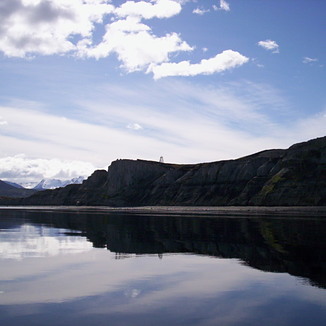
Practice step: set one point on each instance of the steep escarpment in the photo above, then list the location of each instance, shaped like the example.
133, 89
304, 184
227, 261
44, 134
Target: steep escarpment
296, 176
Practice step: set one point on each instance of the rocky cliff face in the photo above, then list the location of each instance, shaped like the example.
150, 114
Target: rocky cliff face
296, 176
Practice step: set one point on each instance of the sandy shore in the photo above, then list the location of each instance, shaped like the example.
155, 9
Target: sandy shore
315, 211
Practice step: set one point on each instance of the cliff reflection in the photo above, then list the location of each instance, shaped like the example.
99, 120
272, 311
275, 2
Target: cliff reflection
293, 245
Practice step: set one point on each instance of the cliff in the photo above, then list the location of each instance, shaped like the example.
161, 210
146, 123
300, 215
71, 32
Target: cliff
292, 177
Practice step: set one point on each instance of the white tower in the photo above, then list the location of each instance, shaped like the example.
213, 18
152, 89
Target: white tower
161, 159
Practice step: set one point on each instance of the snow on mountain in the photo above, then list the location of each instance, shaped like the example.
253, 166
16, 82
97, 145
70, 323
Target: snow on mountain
57, 183
29, 185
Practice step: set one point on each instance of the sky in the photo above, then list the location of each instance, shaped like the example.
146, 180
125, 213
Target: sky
86, 82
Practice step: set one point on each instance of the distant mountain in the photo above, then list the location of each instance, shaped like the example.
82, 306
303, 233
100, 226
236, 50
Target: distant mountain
29, 185
16, 185
281, 177
57, 183
9, 190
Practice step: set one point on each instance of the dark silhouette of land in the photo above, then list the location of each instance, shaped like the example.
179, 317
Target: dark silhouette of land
292, 177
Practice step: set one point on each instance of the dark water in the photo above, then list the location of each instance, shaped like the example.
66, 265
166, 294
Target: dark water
69, 268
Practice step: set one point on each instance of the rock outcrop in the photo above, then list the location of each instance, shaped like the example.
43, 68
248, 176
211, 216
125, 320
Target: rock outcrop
292, 177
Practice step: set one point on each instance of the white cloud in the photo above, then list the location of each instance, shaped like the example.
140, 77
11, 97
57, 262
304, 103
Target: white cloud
3, 122
255, 61
132, 41
135, 45
48, 27
23, 169
269, 45
134, 126
199, 11
148, 10
223, 6
226, 60
224, 118
309, 60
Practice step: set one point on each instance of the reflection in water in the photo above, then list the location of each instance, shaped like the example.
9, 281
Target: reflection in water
293, 245
169, 269
38, 241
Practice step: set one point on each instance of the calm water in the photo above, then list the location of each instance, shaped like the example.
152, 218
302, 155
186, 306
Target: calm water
68, 268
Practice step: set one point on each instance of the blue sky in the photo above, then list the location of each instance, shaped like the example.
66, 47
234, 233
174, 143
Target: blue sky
85, 82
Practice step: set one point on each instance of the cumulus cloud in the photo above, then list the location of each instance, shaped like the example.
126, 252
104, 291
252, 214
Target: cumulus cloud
48, 27
226, 60
269, 45
148, 10
22, 169
134, 44
309, 60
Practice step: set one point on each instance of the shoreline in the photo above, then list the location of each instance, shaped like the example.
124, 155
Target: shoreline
316, 211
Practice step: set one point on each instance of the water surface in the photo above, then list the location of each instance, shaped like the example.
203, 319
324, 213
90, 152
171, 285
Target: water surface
81, 268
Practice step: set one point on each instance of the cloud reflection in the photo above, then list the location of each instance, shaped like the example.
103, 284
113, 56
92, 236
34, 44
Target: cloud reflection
52, 268
31, 241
